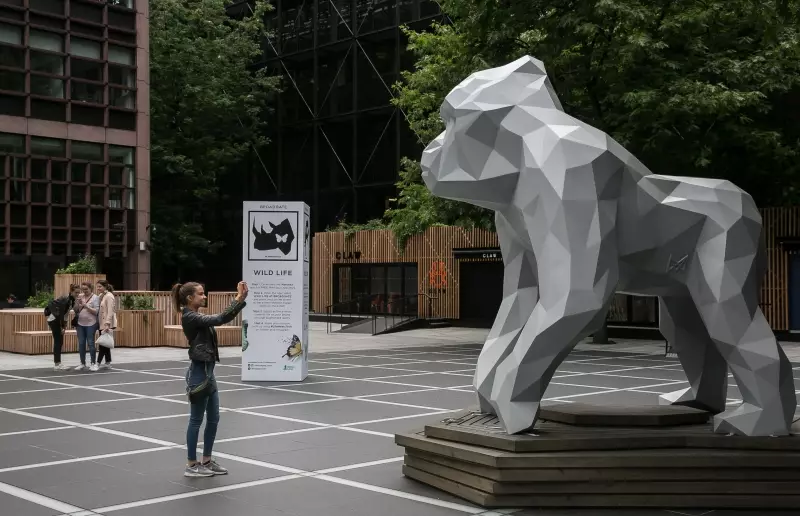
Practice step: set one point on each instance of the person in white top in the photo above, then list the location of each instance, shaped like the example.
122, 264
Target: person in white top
107, 319
87, 306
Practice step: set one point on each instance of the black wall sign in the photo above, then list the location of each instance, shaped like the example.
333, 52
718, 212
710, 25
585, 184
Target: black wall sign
482, 253
348, 255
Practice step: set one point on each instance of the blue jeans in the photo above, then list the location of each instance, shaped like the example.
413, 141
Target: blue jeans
208, 406
86, 338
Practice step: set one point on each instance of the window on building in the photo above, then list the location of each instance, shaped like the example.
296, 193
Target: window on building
122, 3
12, 143
44, 40
87, 151
97, 196
115, 176
58, 194
121, 75
38, 169
38, 192
78, 195
84, 11
12, 57
12, 81
86, 92
58, 170
77, 172
18, 192
18, 167
97, 174
47, 6
48, 147
122, 98
89, 70
47, 63
47, 86
10, 34
121, 55
115, 198
85, 48
123, 155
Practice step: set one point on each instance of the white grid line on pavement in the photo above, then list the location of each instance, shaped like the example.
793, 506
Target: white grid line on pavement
234, 458
37, 431
38, 499
361, 423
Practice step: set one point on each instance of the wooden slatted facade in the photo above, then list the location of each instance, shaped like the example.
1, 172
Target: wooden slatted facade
432, 251
438, 270
779, 223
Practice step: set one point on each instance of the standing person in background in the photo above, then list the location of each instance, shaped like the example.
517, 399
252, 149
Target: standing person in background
57, 312
87, 307
107, 319
201, 386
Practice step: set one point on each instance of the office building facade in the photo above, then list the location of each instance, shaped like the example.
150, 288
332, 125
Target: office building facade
74, 139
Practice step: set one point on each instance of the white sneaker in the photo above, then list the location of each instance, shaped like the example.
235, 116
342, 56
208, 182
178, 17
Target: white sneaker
93, 367
105, 366
60, 367
81, 367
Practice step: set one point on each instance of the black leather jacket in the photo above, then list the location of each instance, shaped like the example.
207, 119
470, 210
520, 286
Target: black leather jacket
199, 329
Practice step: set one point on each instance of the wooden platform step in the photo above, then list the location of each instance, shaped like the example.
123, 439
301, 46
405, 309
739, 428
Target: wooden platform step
560, 465
40, 342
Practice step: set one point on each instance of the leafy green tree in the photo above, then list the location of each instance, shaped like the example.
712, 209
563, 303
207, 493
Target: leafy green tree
705, 88
207, 113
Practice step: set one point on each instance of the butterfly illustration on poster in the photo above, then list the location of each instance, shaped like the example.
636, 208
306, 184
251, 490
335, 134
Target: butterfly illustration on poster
272, 235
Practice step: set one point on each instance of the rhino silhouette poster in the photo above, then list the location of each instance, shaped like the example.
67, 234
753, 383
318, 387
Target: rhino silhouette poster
276, 316
273, 235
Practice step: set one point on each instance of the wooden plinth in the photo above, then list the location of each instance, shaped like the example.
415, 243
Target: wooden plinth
560, 465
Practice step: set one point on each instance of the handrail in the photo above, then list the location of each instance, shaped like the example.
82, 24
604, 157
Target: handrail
333, 310
403, 315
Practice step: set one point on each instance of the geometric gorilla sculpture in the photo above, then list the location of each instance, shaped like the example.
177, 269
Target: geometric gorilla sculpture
578, 218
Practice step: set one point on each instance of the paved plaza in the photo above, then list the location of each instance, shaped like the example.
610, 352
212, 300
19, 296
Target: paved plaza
113, 442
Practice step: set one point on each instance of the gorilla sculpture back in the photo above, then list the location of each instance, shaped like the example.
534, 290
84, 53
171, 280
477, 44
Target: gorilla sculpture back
578, 218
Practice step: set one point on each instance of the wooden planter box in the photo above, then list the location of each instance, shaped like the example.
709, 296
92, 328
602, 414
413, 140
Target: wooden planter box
63, 281
139, 328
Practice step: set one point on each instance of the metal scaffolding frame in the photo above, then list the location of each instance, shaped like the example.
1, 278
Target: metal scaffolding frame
358, 195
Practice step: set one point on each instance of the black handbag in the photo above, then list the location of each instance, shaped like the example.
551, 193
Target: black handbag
206, 388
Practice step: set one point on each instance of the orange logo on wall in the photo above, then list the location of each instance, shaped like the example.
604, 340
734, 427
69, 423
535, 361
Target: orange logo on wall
437, 277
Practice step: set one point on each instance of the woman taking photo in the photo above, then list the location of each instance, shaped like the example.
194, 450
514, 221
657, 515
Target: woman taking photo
201, 386
107, 320
56, 312
87, 306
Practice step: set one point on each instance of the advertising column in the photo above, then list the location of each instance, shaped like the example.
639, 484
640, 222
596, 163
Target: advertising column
275, 265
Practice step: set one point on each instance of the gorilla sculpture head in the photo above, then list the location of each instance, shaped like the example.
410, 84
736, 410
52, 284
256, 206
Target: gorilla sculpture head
479, 116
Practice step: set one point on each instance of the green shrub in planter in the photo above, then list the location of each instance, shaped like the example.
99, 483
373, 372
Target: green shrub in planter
42, 297
138, 303
86, 264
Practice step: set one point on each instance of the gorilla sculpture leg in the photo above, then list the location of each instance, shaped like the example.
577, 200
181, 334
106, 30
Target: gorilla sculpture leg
520, 294
707, 371
728, 304
576, 289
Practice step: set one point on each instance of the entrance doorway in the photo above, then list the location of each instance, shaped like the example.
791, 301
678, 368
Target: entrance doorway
794, 291
480, 292
375, 288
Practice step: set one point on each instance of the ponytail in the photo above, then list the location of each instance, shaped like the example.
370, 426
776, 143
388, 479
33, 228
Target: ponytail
106, 285
176, 296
